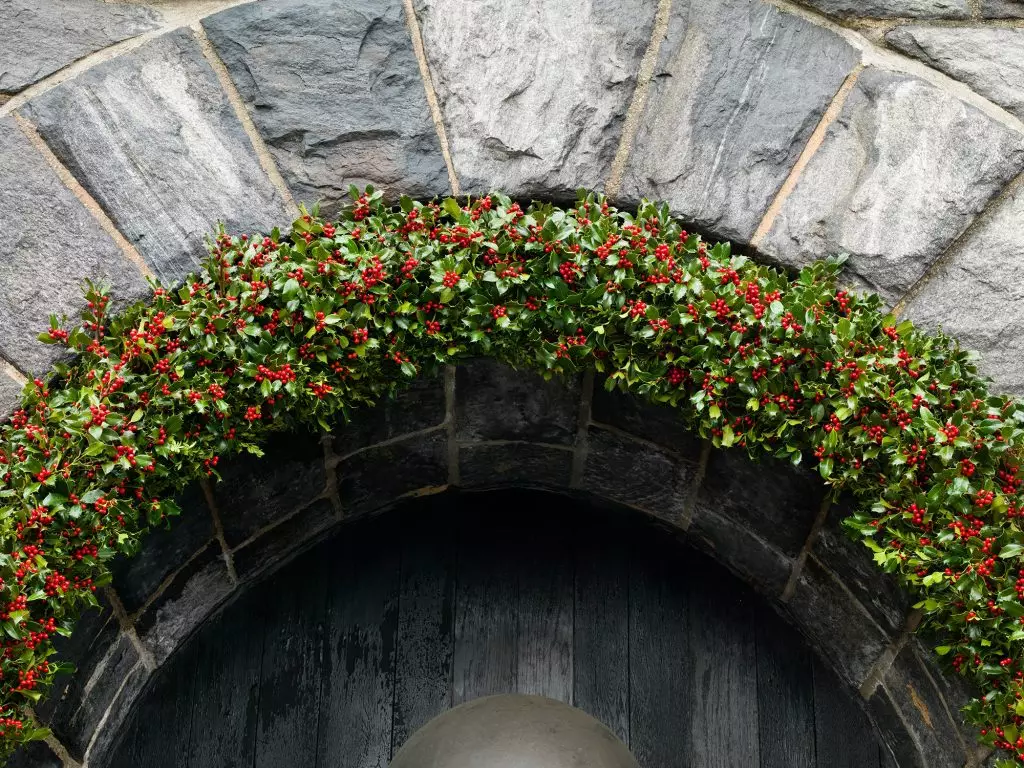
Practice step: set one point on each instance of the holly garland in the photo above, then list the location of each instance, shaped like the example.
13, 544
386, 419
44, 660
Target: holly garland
281, 331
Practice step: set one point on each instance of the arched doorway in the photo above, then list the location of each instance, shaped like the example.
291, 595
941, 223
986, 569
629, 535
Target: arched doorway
339, 657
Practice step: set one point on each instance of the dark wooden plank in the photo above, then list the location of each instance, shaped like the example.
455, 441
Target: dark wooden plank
357, 691
601, 637
660, 664
545, 567
292, 663
227, 687
785, 694
844, 737
423, 665
485, 652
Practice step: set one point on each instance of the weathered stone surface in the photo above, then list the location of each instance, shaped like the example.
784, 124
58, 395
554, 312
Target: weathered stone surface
739, 88
254, 492
835, 624
50, 246
164, 550
771, 498
660, 424
116, 714
35, 755
185, 603
284, 540
988, 59
519, 465
735, 546
637, 474
903, 170
977, 295
152, 137
1002, 9
534, 93
10, 394
419, 406
41, 36
495, 402
336, 92
375, 478
955, 690
894, 9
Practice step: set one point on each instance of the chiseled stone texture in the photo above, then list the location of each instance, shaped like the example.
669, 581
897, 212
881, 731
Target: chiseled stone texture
42, 36
739, 88
904, 169
10, 394
50, 245
336, 92
534, 93
988, 59
1002, 9
894, 9
977, 296
152, 137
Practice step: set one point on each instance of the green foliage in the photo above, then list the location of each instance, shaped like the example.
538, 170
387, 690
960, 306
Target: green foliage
278, 332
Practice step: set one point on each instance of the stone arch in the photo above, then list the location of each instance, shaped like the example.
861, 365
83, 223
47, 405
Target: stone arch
484, 426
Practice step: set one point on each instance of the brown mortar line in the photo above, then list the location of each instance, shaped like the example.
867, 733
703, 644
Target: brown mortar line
449, 425
168, 580
218, 530
87, 200
499, 443
266, 160
581, 445
811, 148
54, 743
953, 249
801, 559
5, 97
13, 372
103, 720
633, 438
334, 460
428, 86
690, 504
261, 532
886, 658
631, 124
330, 464
128, 627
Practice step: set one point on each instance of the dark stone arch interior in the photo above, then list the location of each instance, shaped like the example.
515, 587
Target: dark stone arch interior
338, 657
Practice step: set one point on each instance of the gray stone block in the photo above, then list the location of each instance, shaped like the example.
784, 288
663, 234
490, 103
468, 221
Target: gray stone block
638, 475
51, 245
534, 94
116, 716
660, 424
518, 465
1002, 9
152, 137
36, 754
756, 561
419, 406
956, 691
335, 90
739, 88
903, 171
10, 395
42, 36
977, 294
253, 492
894, 9
495, 402
989, 60
282, 541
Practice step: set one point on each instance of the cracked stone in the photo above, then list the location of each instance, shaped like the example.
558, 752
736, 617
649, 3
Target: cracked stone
903, 171
338, 102
154, 140
739, 88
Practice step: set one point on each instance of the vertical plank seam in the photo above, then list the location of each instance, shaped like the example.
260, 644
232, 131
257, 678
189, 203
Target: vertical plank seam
428, 86
449, 418
88, 201
641, 91
330, 467
218, 530
266, 160
814, 142
581, 445
128, 627
690, 502
801, 559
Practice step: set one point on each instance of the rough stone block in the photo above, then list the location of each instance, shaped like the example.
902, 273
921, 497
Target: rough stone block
42, 36
836, 625
989, 60
419, 406
756, 561
339, 101
903, 171
956, 692
519, 465
153, 138
185, 603
116, 715
281, 541
164, 550
51, 245
739, 87
773, 499
977, 294
637, 474
10, 395
495, 402
253, 492
534, 94
1002, 9
894, 9
660, 424
376, 478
